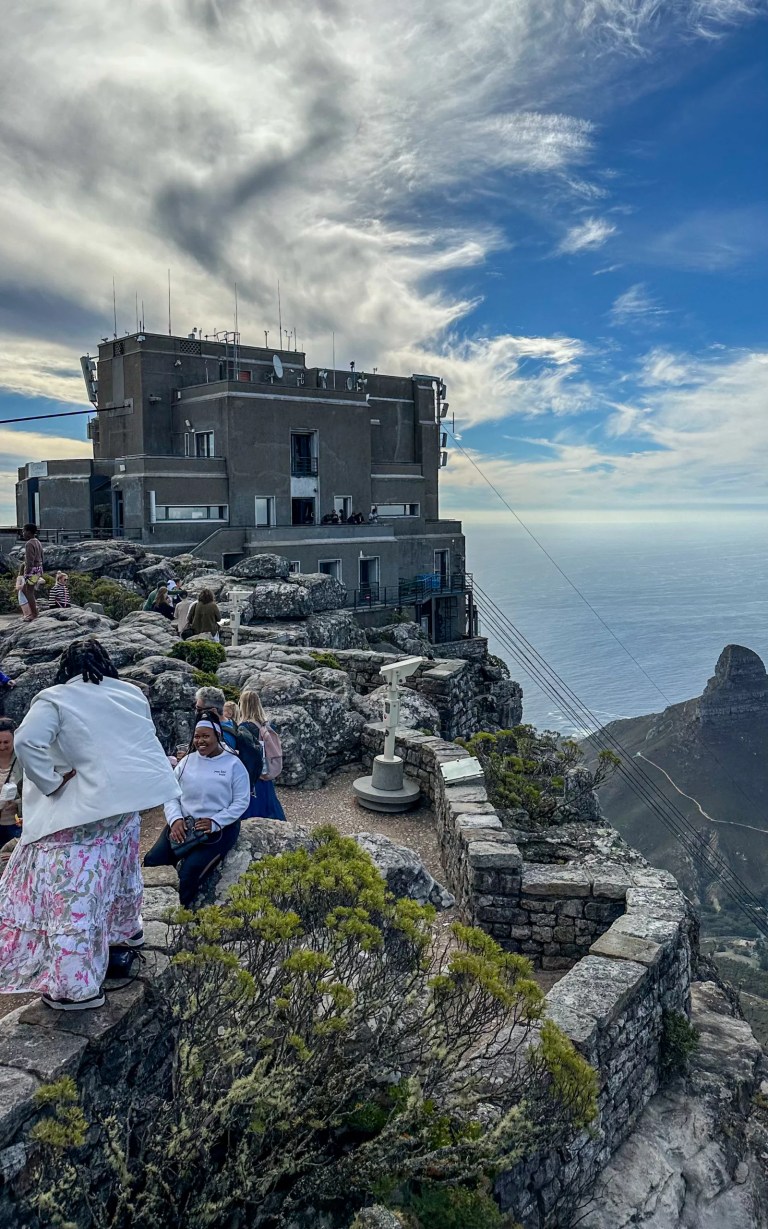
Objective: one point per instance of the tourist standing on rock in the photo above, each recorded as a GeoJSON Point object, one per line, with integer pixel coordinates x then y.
{"type": "Point", "coordinates": [264, 801]}
{"type": "Point", "coordinates": [204, 616]}
{"type": "Point", "coordinates": [204, 823]}
{"type": "Point", "coordinates": [32, 569]}
{"type": "Point", "coordinates": [73, 887]}
{"type": "Point", "coordinates": [11, 777]}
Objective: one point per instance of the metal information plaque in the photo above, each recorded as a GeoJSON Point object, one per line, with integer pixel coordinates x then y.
{"type": "Point", "coordinates": [461, 770]}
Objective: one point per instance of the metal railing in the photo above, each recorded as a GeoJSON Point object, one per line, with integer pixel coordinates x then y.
{"type": "Point", "coordinates": [59, 537]}
{"type": "Point", "coordinates": [410, 592]}
{"type": "Point", "coordinates": [304, 467]}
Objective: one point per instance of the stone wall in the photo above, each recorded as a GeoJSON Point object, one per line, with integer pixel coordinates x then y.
{"type": "Point", "coordinates": [623, 932]}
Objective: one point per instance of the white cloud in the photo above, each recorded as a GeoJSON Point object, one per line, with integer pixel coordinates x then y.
{"type": "Point", "coordinates": [635, 304]}
{"type": "Point", "coordinates": [699, 444]}
{"type": "Point", "coordinates": [586, 236]}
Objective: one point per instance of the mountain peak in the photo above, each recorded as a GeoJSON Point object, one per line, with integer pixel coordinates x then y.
{"type": "Point", "coordinates": [739, 687]}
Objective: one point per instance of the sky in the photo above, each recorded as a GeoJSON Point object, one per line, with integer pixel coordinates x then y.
{"type": "Point", "coordinates": [560, 206]}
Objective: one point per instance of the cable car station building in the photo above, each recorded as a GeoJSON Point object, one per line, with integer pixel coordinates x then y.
{"type": "Point", "coordinates": [229, 450]}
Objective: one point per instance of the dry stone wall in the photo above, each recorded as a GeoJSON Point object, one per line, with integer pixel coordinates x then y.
{"type": "Point", "coordinates": [622, 930]}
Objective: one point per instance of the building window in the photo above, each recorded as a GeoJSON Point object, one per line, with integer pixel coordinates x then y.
{"type": "Point", "coordinates": [191, 512]}
{"type": "Point", "coordinates": [443, 565]}
{"type": "Point", "coordinates": [343, 505]}
{"type": "Point", "coordinates": [302, 511]}
{"type": "Point", "coordinates": [265, 511]}
{"type": "Point", "coordinates": [330, 567]}
{"type": "Point", "coordinates": [204, 443]}
{"type": "Point", "coordinates": [399, 510]}
{"type": "Point", "coordinates": [303, 453]}
{"type": "Point", "coordinates": [294, 566]}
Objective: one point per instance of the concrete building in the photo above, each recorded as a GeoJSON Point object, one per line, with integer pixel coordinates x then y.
{"type": "Point", "coordinates": [227, 450]}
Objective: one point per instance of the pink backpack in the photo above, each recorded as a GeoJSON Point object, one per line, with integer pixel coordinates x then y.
{"type": "Point", "coordinates": [273, 752]}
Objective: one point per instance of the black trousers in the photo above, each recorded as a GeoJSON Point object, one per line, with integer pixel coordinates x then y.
{"type": "Point", "coordinates": [195, 866]}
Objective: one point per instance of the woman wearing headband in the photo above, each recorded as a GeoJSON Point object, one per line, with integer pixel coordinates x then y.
{"type": "Point", "coordinates": [73, 887]}
{"type": "Point", "coordinates": [203, 824]}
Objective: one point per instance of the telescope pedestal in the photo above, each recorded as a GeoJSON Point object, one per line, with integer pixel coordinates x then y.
{"type": "Point", "coordinates": [387, 788]}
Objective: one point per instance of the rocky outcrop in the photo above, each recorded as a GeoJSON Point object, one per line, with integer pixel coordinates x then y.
{"type": "Point", "coordinates": [262, 567]}
{"type": "Point", "coordinates": [698, 1157]}
{"type": "Point", "coordinates": [276, 599]}
{"type": "Point", "coordinates": [737, 690]}
{"type": "Point", "coordinates": [404, 871]}
{"type": "Point", "coordinates": [407, 638]}
{"type": "Point", "coordinates": [416, 711]}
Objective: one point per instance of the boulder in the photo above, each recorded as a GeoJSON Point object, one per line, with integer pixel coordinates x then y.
{"type": "Point", "coordinates": [96, 558]}
{"type": "Point", "coordinates": [404, 871]}
{"type": "Point", "coordinates": [334, 629]}
{"type": "Point", "coordinates": [275, 633]}
{"type": "Point", "coordinates": [302, 740]}
{"type": "Point", "coordinates": [408, 638]}
{"type": "Point", "coordinates": [416, 712]}
{"type": "Point", "coordinates": [276, 599]}
{"type": "Point", "coordinates": [156, 574]}
{"type": "Point", "coordinates": [170, 687]}
{"type": "Point", "coordinates": [262, 567]}
{"type": "Point", "coordinates": [325, 592]}
{"type": "Point", "coordinates": [341, 728]}
{"type": "Point", "coordinates": [218, 583]}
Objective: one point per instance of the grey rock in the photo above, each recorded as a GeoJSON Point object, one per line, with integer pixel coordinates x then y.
{"type": "Point", "coordinates": [262, 567]}
{"type": "Point", "coordinates": [276, 599]}
{"type": "Point", "coordinates": [47, 1055]}
{"type": "Point", "coordinates": [690, 1162]}
{"type": "Point", "coordinates": [738, 688]}
{"type": "Point", "coordinates": [96, 558]}
{"type": "Point", "coordinates": [156, 574]}
{"type": "Point", "coordinates": [376, 1217]}
{"type": "Point", "coordinates": [334, 629]}
{"type": "Point", "coordinates": [407, 638]}
{"type": "Point", "coordinates": [17, 1089]}
{"type": "Point", "coordinates": [416, 711]}
{"type": "Point", "coordinates": [302, 740]}
{"type": "Point", "coordinates": [219, 584]}
{"type": "Point", "coordinates": [325, 592]}
{"type": "Point", "coordinates": [404, 871]}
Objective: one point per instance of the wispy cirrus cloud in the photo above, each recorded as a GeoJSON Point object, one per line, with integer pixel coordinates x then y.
{"type": "Point", "coordinates": [586, 236]}
{"type": "Point", "coordinates": [634, 305]}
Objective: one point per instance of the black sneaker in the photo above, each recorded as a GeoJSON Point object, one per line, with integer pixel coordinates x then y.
{"type": "Point", "coordinates": [96, 1000]}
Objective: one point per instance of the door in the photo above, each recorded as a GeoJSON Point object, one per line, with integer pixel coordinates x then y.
{"type": "Point", "coordinates": [302, 511]}
{"type": "Point", "coordinates": [369, 579]}
{"type": "Point", "coordinates": [443, 567]}
{"type": "Point", "coordinates": [117, 519]}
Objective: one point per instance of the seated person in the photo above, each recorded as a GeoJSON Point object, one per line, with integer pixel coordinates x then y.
{"type": "Point", "coordinates": [215, 792]}
{"type": "Point", "coordinates": [60, 591]}
{"type": "Point", "coordinates": [162, 603]}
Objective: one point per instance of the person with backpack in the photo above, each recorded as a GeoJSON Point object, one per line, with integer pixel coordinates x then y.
{"type": "Point", "coordinates": [254, 730]}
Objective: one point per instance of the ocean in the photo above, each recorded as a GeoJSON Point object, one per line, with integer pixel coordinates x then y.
{"type": "Point", "coordinates": [674, 594]}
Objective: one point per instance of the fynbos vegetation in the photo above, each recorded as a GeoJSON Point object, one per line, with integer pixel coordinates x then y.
{"type": "Point", "coordinates": [322, 1053]}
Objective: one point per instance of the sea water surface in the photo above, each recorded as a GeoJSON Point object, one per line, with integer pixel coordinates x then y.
{"type": "Point", "coordinates": [673, 594]}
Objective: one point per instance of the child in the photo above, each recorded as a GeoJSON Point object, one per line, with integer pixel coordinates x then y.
{"type": "Point", "coordinates": [60, 591]}
{"type": "Point", "coordinates": [231, 718]}
{"type": "Point", "coordinates": [23, 600]}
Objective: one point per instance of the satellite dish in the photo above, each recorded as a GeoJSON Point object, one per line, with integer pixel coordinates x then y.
{"type": "Point", "coordinates": [350, 383]}
{"type": "Point", "coordinates": [277, 364]}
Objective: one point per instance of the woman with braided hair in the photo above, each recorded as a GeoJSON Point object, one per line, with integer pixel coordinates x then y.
{"type": "Point", "coordinates": [72, 891]}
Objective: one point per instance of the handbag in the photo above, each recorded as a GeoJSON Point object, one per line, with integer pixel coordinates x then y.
{"type": "Point", "coordinates": [192, 838]}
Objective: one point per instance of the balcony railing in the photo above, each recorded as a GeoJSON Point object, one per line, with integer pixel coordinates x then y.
{"type": "Point", "coordinates": [304, 467]}
{"type": "Point", "coordinates": [410, 592]}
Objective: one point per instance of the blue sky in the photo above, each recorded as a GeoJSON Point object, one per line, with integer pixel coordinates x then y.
{"type": "Point", "coordinates": [561, 207]}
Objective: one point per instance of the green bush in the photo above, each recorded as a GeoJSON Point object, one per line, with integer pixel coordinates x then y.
{"type": "Point", "coordinates": [284, 1014]}
{"type": "Point", "coordinates": [330, 660]}
{"type": "Point", "coordinates": [679, 1040]}
{"type": "Point", "coordinates": [457, 1207]}
{"type": "Point", "coordinates": [205, 655]}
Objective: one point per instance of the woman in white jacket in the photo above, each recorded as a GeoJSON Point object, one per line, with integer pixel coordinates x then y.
{"type": "Point", "coordinates": [73, 887]}
{"type": "Point", "coordinates": [203, 824]}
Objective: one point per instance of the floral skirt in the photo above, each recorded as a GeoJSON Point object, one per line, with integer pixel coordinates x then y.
{"type": "Point", "coordinates": [63, 900]}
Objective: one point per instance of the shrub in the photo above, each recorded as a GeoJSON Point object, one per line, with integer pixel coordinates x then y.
{"type": "Point", "coordinates": [323, 1050]}
{"type": "Point", "coordinates": [330, 660]}
{"type": "Point", "coordinates": [205, 655]}
{"type": "Point", "coordinates": [679, 1040]}
{"type": "Point", "coordinates": [458, 1207]}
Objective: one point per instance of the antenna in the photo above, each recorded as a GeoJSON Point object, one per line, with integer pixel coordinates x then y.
{"type": "Point", "coordinates": [266, 338]}
{"type": "Point", "coordinates": [142, 315]}
{"type": "Point", "coordinates": [169, 303]}
{"type": "Point", "coordinates": [137, 311]}
{"type": "Point", "coordinates": [114, 306]}
{"type": "Point", "coordinates": [279, 316]}
{"type": "Point", "coordinates": [333, 342]}
{"type": "Point", "coordinates": [277, 366]}
{"type": "Point", "coordinates": [235, 306]}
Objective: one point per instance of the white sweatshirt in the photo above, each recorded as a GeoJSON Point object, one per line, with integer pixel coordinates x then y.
{"type": "Point", "coordinates": [212, 787]}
